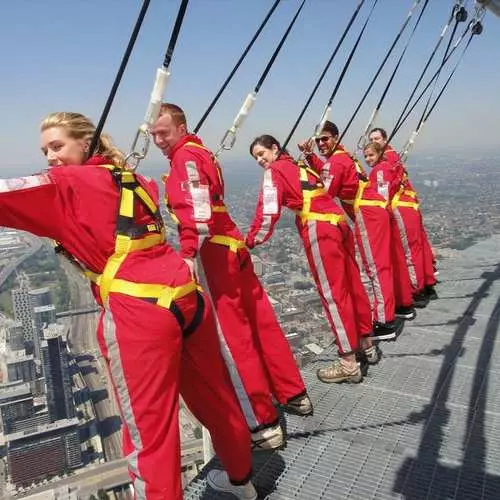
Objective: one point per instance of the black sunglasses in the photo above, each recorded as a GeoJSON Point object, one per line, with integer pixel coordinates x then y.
{"type": "Point", "coordinates": [323, 138]}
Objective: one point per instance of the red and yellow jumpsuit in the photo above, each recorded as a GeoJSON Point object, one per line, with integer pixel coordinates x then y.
{"type": "Point", "coordinates": [418, 240]}
{"type": "Point", "coordinates": [328, 243]}
{"type": "Point", "coordinates": [153, 331]}
{"type": "Point", "coordinates": [344, 179]}
{"type": "Point", "coordinates": [257, 352]}
{"type": "Point", "coordinates": [386, 179]}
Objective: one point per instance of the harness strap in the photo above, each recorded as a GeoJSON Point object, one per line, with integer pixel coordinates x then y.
{"type": "Point", "coordinates": [234, 244]}
{"type": "Point", "coordinates": [396, 202]}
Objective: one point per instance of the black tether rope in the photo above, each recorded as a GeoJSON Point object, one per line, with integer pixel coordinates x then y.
{"type": "Point", "coordinates": [476, 29]}
{"type": "Point", "coordinates": [454, 11]}
{"type": "Point", "coordinates": [323, 73]}
{"type": "Point", "coordinates": [319, 126]}
{"type": "Point", "coordinates": [236, 66]}
{"type": "Point", "coordinates": [391, 79]}
{"type": "Point", "coordinates": [460, 16]}
{"type": "Point", "coordinates": [175, 34]}
{"type": "Point", "coordinates": [118, 77]}
{"type": "Point", "coordinates": [430, 82]}
{"type": "Point", "coordinates": [229, 137]}
{"type": "Point", "coordinates": [278, 48]}
{"type": "Point", "coordinates": [382, 64]}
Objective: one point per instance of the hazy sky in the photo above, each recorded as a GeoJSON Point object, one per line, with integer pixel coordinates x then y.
{"type": "Point", "coordinates": [63, 55]}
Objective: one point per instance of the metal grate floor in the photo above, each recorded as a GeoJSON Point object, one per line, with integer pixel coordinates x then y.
{"type": "Point", "coordinates": [422, 425]}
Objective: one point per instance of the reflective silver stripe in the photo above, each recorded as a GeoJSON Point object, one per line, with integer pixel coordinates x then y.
{"type": "Point", "coordinates": [264, 229]}
{"type": "Point", "coordinates": [326, 177]}
{"type": "Point", "coordinates": [116, 368]}
{"type": "Point", "coordinates": [267, 220]}
{"type": "Point", "coordinates": [324, 287]}
{"type": "Point", "coordinates": [406, 247]}
{"type": "Point", "coordinates": [193, 176]}
{"type": "Point", "coordinates": [367, 283]}
{"type": "Point", "coordinates": [239, 388]}
{"type": "Point", "coordinates": [371, 268]}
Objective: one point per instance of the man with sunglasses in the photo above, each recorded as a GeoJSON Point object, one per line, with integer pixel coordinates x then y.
{"type": "Point", "coordinates": [346, 180]}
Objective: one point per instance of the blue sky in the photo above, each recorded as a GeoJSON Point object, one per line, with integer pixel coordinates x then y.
{"type": "Point", "coordinates": [63, 55]}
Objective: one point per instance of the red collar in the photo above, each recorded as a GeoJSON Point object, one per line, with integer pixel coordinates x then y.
{"type": "Point", "coordinates": [182, 142]}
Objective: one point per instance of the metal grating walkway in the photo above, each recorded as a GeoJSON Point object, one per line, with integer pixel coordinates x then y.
{"type": "Point", "coordinates": [424, 424]}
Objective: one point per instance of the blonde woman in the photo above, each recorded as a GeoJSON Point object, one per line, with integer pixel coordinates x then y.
{"type": "Point", "coordinates": [157, 337]}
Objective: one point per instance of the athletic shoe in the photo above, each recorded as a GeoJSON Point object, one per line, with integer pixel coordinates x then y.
{"type": "Point", "coordinates": [337, 372]}
{"type": "Point", "coordinates": [269, 438]}
{"type": "Point", "coordinates": [372, 355]}
{"type": "Point", "coordinates": [300, 405]}
{"type": "Point", "coordinates": [219, 481]}
{"type": "Point", "coordinates": [420, 300]}
{"type": "Point", "coordinates": [406, 313]}
{"type": "Point", "coordinates": [430, 292]}
{"type": "Point", "coordinates": [387, 331]}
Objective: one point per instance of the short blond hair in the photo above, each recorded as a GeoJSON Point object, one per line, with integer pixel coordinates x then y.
{"type": "Point", "coordinates": [79, 126]}
{"type": "Point", "coordinates": [176, 112]}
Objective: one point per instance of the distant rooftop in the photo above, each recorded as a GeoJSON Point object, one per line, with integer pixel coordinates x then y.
{"type": "Point", "coordinates": [425, 422]}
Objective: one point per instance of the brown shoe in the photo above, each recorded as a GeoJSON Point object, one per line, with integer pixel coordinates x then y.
{"type": "Point", "coordinates": [270, 438]}
{"type": "Point", "coordinates": [337, 372]}
{"type": "Point", "coordinates": [300, 405]}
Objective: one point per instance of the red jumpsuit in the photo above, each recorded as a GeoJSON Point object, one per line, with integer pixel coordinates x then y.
{"type": "Point", "coordinates": [367, 209]}
{"type": "Point", "coordinates": [386, 179]}
{"type": "Point", "coordinates": [418, 239]}
{"type": "Point", "coordinates": [328, 244]}
{"type": "Point", "coordinates": [146, 293]}
{"type": "Point", "coordinates": [258, 355]}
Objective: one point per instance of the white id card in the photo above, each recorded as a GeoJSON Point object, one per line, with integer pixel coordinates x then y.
{"type": "Point", "coordinates": [201, 203]}
{"type": "Point", "coordinates": [270, 199]}
{"type": "Point", "coordinates": [383, 190]}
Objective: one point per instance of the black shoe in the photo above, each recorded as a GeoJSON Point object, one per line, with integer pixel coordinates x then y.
{"type": "Point", "coordinates": [420, 300]}
{"type": "Point", "coordinates": [406, 313]}
{"type": "Point", "coordinates": [362, 360]}
{"type": "Point", "coordinates": [430, 292]}
{"type": "Point", "coordinates": [370, 356]}
{"type": "Point", "coordinates": [300, 405]}
{"type": "Point", "coordinates": [387, 331]}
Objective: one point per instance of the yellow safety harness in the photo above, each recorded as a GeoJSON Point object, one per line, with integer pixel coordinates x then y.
{"type": "Point", "coordinates": [311, 190]}
{"type": "Point", "coordinates": [396, 201]}
{"type": "Point", "coordinates": [132, 237]}
{"type": "Point", "coordinates": [218, 206]}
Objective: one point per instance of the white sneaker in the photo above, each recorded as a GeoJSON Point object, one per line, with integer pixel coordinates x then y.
{"type": "Point", "coordinates": [269, 438]}
{"type": "Point", "coordinates": [219, 481]}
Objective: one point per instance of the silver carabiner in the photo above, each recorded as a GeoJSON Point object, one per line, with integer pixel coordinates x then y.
{"type": "Point", "coordinates": [135, 156]}
{"type": "Point", "coordinates": [228, 140]}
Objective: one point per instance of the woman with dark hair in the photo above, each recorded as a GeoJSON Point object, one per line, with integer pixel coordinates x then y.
{"type": "Point", "coordinates": [329, 248]}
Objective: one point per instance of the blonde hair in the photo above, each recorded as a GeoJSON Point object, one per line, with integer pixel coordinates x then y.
{"type": "Point", "coordinates": [79, 126]}
{"type": "Point", "coordinates": [378, 148]}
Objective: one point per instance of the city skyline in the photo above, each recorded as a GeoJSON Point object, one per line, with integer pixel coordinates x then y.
{"type": "Point", "coordinates": [75, 72]}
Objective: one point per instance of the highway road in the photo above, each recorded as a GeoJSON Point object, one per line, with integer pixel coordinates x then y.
{"type": "Point", "coordinates": [35, 245]}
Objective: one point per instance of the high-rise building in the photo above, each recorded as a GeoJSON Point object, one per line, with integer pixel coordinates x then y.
{"type": "Point", "coordinates": [23, 311]}
{"type": "Point", "coordinates": [49, 450]}
{"type": "Point", "coordinates": [43, 316]}
{"type": "Point", "coordinates": [15, 336]}
{"type": "Point", "coordinates": [16, 403]}
{"type": "Point", "coordinates": [43, 313]}
{"type": "Point", "coordinates": [20, 367]}
{"type": "Point", "coordinates": [55, 360]}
